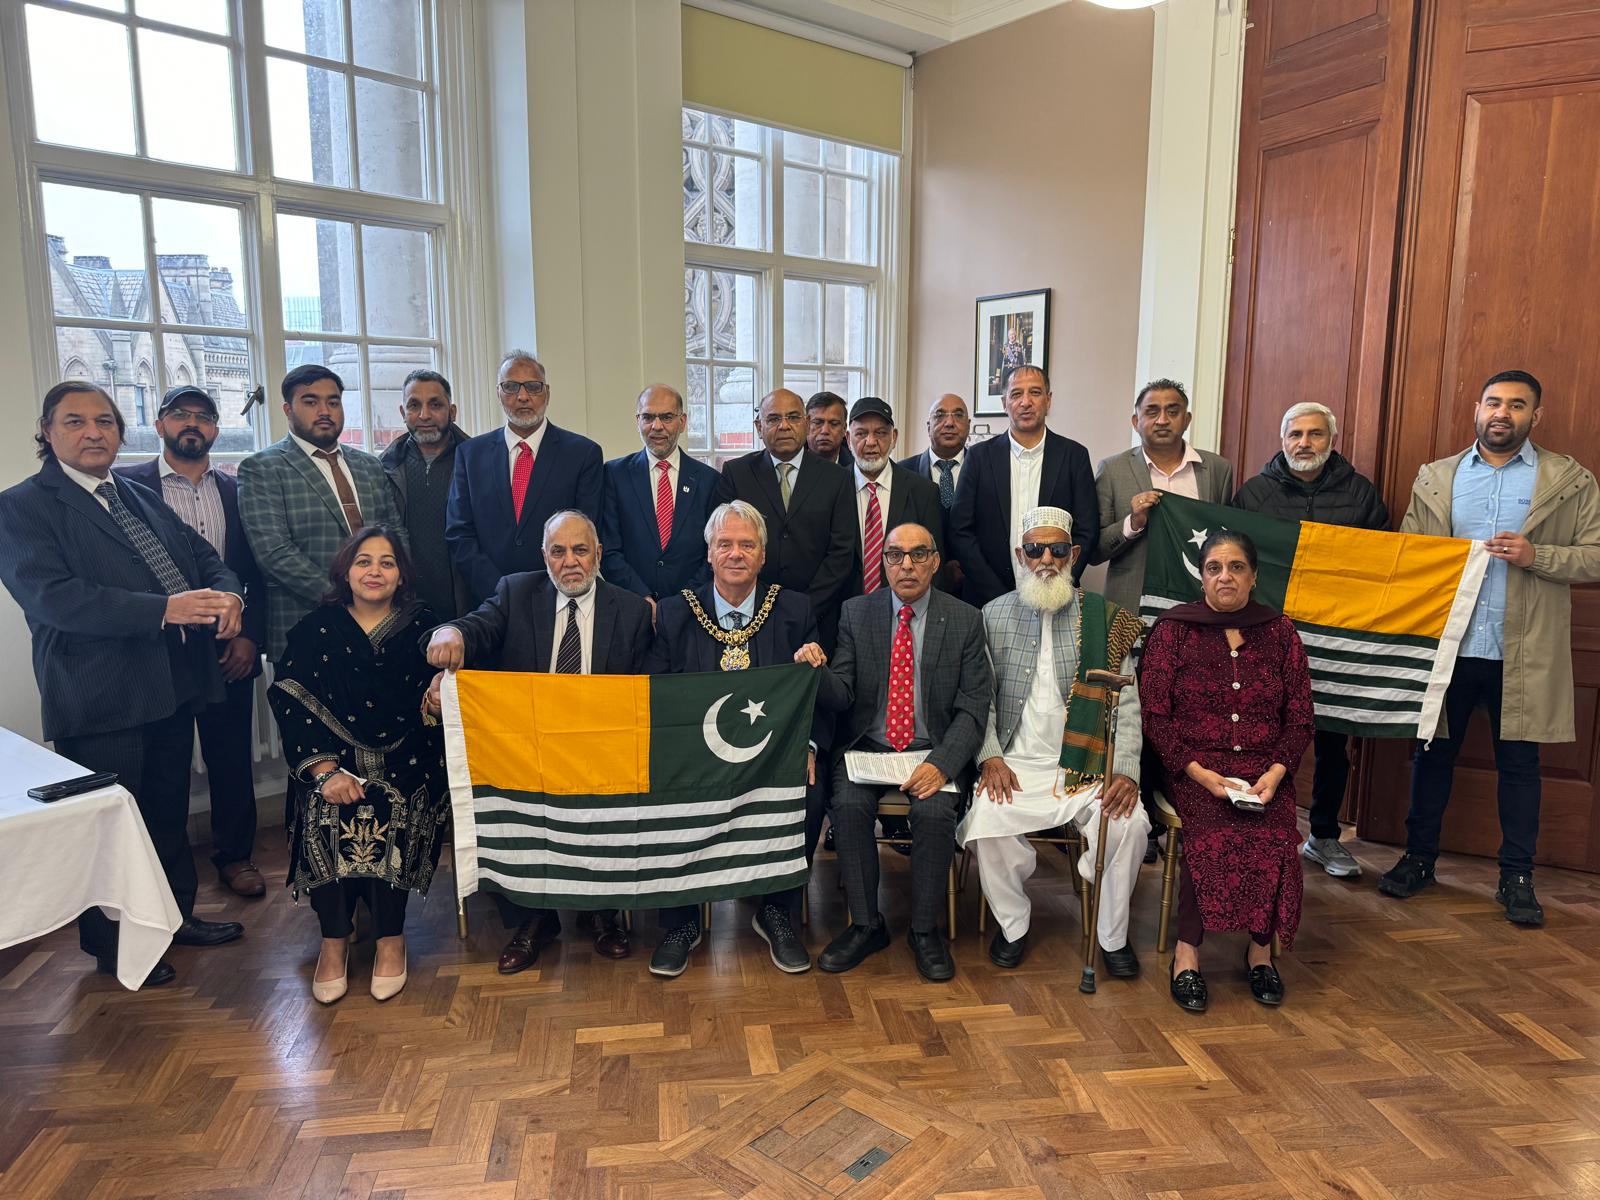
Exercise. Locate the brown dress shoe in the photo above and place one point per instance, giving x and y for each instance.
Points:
(611, 940)
(243, 879)
(522, 951)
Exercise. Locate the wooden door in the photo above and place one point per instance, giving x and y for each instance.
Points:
(1501, 248)
(1321, 152)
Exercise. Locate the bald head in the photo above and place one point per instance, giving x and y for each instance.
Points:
(948, 425)
(661, 419)
(781, 422)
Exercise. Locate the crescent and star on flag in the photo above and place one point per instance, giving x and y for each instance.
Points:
(1199, 539)
(719, 745)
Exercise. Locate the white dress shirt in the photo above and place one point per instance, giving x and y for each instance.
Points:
(87, 482)
(884, 481)
(1182, 482)
(514, 439)
(1027, 469)
(327, 467)
(585, 626)
(672, 461)
(955, 460)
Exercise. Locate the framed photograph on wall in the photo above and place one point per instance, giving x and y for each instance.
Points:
(1012, 331)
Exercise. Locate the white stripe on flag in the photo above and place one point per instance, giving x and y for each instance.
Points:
(658, 812)
(1365, 716)
(551, 857)
(1342, 667)
(517, 829)
(464, 837)
(1358, 645)
(601, 887)
(1327, 687)
(1455, 627)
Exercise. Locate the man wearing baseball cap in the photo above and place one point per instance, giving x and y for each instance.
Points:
(886, 494)
(207, 500)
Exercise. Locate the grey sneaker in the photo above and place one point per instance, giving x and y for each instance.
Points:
(1332, 857)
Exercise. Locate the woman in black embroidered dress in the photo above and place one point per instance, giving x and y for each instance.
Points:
(367, 798)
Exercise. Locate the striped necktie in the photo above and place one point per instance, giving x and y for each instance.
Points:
(569, 660)
(144, 541)
(872, 543)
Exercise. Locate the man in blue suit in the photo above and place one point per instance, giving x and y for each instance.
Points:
(656, 505)
(126, 605)
(510, 481)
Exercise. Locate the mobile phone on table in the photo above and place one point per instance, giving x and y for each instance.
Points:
(49, 793)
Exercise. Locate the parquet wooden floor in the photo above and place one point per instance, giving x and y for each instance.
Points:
(1428, 1051)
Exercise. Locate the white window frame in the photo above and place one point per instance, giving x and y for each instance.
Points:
(773, 265)
(463, 272)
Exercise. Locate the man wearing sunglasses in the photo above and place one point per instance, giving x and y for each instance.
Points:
(1043, 753)
(510, 481)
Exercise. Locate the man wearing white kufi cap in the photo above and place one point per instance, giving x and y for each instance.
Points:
(1042, 762)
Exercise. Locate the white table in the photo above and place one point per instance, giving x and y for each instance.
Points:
(57, 860)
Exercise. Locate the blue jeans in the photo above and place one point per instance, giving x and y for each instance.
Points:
(1476, 683)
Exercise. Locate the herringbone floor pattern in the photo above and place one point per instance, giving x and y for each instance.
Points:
(1428, 1051)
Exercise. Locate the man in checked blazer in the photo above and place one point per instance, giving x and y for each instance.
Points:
(906, 644)
(637, 502)
(302, 497)
(126, 605)
(1129, 484)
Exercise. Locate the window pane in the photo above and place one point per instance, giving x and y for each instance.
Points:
(306, 26)
(728, 131)
(694, 124)
(802, 321)
(200, 256)
(397, 268)
(841, 157)
(316, 260)
(210, 16)
(123, 362)
(95, 244)
(696, 311)
(221, 366)
(849, 384)
(849, 219)
(802, 212)
(696, 196)
(310, 124)
(733, 408)
(72, 105)
(387, 35)
(388, 367)
(847, 325)
(344, 361)
(735, 213)
(733, 316)
(797, 147)
(188, 100)
(802, 383)
(697, 437)
(389, 135)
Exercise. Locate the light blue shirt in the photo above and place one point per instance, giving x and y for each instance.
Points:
(1486, 500)
(747, 607)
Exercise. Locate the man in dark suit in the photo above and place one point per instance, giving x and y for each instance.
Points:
(656, 504)
(301, 498)
(825, 428)
(913, 661)
(509, 481)
(125, 604)
(885, 495)
(567, 620)
(808, 507)
(207, 501)
(1005, 477)
(784, 632)
(949, 426)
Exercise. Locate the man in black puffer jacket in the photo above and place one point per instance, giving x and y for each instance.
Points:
(1311, 481)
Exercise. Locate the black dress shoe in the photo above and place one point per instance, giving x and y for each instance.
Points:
(932, 953)
(777, 931)
(1006, 953)
(161, 973)
(195, 932)
(852, 946)
(1407, 877)
(1515, 895)
(827, 840)
(1189, 990)
(1266, 985)
(1121, 964)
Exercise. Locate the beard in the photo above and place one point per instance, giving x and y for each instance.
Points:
(571, 590)
(1309, 466)
(1047, 594)
(428, 437)
(871, 466)
(189, 446)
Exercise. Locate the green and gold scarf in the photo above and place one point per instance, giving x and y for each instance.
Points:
(1106, 633)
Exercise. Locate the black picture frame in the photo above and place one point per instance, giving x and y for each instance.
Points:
(1009, 330)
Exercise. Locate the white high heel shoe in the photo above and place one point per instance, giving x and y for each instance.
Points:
(385, 987)
(326, 991)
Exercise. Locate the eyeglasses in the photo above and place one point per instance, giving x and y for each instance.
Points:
(662, 419)
(510, 387)
(1037, 549)
(199, 418)
(894, 556)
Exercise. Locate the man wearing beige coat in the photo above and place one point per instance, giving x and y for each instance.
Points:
(1538, 513)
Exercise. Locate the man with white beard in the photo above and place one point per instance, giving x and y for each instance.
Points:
(1043, 760)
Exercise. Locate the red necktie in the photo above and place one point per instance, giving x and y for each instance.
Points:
(663, 505)
(521, 472)
(872, 544)
(902, 716)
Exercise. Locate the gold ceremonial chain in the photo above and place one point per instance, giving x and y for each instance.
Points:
(736, 652)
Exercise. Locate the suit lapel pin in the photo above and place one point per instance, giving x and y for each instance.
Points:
(685, 489)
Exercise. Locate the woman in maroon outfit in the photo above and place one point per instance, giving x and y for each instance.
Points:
(1226, 693)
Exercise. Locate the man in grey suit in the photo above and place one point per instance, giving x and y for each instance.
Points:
(302, 497)
(912, 660)
(1129, 484)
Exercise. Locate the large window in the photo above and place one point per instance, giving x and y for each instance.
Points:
(786, 238)
(226, 189)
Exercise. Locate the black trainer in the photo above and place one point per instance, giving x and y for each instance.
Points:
(788, 952)
(672, 955)
(852, 946)
(1515, 895)
(1407, 877)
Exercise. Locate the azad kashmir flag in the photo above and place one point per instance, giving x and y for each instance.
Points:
(635, 791)
(1381, 614)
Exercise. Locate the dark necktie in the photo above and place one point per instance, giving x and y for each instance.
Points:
(341, 485)
(569, 661)
(734, 620)
(144, 541)
(947, 481)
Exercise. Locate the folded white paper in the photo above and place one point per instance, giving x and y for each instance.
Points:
(886, 770)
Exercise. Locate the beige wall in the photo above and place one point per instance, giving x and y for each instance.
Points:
(1029, 171)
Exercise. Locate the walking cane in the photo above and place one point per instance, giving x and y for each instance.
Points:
(1113, 683)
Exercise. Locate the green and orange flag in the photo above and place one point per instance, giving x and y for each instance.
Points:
(638, 791)
(1381, 614)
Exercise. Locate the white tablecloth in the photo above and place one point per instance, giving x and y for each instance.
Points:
(56, 860)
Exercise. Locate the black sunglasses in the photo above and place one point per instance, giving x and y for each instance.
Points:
(1037, 549)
